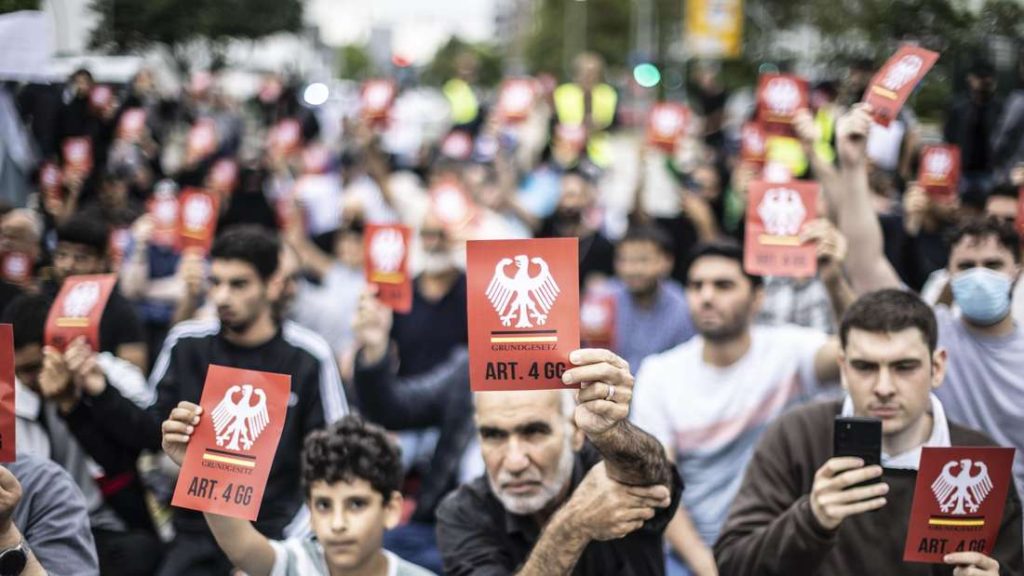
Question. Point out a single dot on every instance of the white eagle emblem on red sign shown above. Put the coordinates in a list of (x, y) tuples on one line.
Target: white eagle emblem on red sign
[(239, 424), (81, 299), (524, 298), (782, 211), (962, 493)]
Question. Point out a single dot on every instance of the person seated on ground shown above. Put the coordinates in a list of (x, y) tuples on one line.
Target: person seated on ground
[(351, 473), (569, 486), (43, 514), (47, 382), (799, 509), (83, 248)]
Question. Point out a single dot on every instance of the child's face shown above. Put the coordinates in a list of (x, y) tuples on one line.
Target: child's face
[(349, 520)]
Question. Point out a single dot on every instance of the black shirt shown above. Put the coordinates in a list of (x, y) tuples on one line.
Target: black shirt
[(180, 374), (477, 536), (597, 253), (428, 334)]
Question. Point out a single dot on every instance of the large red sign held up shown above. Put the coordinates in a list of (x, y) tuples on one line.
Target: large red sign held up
[(197, 219), (78, 309), (776, 213), (666, 125), (753, 144), (958, 501), (892, 85), (939, 172), (597, 319), (386, 254), (78, 156), (779, 97), (515, 101), (523, 312), (228, 459), (7, 416)]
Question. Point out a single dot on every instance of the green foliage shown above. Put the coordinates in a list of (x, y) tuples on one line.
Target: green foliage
[(16, 5), (442, 67), (354, 62), (132, 24)]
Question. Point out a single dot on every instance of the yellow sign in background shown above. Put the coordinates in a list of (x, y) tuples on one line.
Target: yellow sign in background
[(714, 28)]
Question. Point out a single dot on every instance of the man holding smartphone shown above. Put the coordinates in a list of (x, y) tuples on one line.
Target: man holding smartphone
[(802, 510)]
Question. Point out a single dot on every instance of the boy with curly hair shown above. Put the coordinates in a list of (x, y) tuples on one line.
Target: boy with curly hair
[(351, 474)]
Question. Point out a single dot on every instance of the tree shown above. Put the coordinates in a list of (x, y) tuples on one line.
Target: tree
[(177, 24), (16, 5), (442, 67), (354, 62)]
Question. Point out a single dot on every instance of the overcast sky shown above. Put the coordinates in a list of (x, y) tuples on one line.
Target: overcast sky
[(419, 26)]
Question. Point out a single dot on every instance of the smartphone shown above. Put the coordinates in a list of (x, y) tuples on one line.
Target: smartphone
[(860, 438)]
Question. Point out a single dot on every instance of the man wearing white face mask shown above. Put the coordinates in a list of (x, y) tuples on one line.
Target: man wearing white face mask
[(985, 379)]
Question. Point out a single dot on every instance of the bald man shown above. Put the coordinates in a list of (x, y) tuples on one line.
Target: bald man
[(570, 485)]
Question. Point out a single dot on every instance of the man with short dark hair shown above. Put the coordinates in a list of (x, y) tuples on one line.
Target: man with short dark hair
[(244, 287), (83, 248), (984, 265), (709, 399), (571, 220), (800, 510), (647, 301)]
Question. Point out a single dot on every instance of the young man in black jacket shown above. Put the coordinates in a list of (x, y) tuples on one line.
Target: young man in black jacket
[(244, 285)]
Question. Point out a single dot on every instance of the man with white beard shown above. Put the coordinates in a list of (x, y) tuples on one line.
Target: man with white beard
[(436, 324), (570, 486)]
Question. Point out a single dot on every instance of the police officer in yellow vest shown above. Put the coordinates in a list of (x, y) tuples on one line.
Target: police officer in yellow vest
[(461, 95), (589, 102)]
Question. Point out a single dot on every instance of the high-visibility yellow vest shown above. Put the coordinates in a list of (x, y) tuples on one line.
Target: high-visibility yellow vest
[(826, 123), (788, 152), (570, 108), (462, 100)]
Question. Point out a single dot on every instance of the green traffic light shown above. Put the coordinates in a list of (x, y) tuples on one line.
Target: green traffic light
[(647, 75)]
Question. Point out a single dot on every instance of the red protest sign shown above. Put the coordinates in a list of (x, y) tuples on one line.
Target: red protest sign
[(776, 212), (163, 209), (78, 309), (597, 319), (16, 267), (117, 244), (457, 145), (228, 458), (285, 137), (202, 140), (958, 501), (451, 204), (939, 172), (101, 97), (197, 219), (1020, 211), (377, 97), (316, 159), (666, 124), (50, 180), (779, 97), (223, 177), (892, 85), (78, 155), (8, 443), (523, 312), (132, 124), (386, 253), (515, 101), (752, 143)]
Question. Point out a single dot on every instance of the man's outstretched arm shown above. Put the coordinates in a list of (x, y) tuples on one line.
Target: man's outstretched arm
[(867, 265), (633, 456)]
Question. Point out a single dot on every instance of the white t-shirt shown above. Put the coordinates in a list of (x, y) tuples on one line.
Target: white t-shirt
[(305, 557), (711, 418)]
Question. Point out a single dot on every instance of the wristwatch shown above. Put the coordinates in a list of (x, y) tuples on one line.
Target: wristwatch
[(13, 560)]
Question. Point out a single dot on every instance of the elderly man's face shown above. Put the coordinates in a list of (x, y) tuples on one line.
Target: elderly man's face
[(528, 442), (18, 234)]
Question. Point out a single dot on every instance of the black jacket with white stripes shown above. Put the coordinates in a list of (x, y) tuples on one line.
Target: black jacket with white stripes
[(317, 398)]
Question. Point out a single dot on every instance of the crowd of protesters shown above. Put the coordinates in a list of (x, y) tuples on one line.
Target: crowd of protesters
[(714, 379)]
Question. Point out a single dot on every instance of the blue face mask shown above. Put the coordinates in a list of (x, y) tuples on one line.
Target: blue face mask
[(983, 295)]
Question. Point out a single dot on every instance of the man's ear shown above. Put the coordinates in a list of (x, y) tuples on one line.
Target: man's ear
[(939, 358), (275, 285), (841, 360), (393, 510)]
